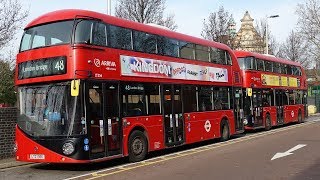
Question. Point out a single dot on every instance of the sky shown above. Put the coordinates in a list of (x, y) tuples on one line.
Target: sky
[(189, 14)]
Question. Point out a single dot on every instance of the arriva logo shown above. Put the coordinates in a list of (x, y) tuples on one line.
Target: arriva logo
[(97, 62)]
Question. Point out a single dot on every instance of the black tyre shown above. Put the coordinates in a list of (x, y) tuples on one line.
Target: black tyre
[(138, 146), (224, 130), (300, 120), (268, 125)]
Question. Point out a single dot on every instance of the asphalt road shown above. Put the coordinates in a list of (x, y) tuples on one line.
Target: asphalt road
[(245, 157)]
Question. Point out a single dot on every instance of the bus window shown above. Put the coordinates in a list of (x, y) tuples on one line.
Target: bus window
[(144, 42), (289, 69), (99, 34), (189, 99), (246, 63), (298, 97), (83, 31), (228, 57), (291, 97), (168, 47), (38, 41), (186, 50), (44, 34), (205, 99), (221, 99), (276, 68), (260, 65), (268, 66), (119, 37), (284, 69), (218, 56), (133, 101), (202, 53), (153, 99)]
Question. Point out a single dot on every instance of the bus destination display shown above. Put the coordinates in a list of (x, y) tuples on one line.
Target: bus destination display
[(42, 67)]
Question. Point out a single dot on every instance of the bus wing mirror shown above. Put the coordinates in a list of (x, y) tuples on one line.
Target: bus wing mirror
[(75, 87)]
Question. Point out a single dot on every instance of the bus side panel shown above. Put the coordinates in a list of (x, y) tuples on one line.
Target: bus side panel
[(272, 110), (154, 131), (202, 126), (291, 113)]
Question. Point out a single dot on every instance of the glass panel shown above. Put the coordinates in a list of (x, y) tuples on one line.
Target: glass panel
[(268, 66), (83, 31), (218, 56), (202, 53), (154, 102), (190, 99), (120, 37), (49, 111), (144, 42), (205, 99), (260, 65), (39, 36), (168, 47), (133, 100), (186, 50), (99, 35), (246, 63), (276, 68)]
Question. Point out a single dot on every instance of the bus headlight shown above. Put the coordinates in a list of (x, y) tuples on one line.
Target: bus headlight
[(68, 148)]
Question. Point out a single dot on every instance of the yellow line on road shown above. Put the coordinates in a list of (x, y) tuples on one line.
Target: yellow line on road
[(197, 150)]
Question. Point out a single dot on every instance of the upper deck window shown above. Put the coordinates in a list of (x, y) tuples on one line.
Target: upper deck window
[(268, 66), (47, 35), (260, 65), (246, 63)]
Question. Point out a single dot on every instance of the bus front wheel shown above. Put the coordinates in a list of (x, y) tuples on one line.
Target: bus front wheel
[(138, 146)]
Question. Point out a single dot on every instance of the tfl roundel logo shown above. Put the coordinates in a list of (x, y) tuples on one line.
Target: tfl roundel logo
[(97, 62)]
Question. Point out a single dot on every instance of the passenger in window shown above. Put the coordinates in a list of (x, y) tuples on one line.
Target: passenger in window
[(217, 104)]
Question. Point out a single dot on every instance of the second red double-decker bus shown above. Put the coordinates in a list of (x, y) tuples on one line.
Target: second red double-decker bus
[(94, 87), (275, 90)]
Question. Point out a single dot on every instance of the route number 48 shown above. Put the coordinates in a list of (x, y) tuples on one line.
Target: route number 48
[(59, 65)]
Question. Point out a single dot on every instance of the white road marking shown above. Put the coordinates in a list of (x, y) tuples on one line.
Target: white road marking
[(287, 153)]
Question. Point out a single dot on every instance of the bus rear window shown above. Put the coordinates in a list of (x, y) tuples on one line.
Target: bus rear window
[(47, 35)]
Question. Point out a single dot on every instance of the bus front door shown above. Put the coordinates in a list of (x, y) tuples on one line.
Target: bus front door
[(113, 125), (279, 105), (104, 124), (173, 116)]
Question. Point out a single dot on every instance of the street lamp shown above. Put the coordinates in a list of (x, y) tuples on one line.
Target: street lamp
[(109, 7), (273, 16)]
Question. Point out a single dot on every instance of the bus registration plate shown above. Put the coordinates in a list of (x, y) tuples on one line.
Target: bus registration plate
[(37, 156)]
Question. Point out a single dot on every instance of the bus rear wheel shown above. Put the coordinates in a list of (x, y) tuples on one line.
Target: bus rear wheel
[(267, 126), (138, 146), (300, 120), (224, 130)]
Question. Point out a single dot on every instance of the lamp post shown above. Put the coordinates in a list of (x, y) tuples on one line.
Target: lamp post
[(267, 47), (109, 7)]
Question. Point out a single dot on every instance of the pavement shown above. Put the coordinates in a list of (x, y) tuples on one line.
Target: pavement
[(11, 162)]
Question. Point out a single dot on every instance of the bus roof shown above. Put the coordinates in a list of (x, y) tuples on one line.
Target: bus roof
[(265, 57), (70, 14)]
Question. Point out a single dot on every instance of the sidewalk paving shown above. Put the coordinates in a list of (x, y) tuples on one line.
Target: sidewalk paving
[(11, 162)]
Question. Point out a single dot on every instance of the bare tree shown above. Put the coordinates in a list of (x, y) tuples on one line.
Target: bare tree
[(309, 26), (12, 17), (294, 49), (145, 11), (215, 28)]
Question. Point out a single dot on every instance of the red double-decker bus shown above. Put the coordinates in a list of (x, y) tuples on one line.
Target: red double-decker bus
[(275, 90), (94, 87)]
